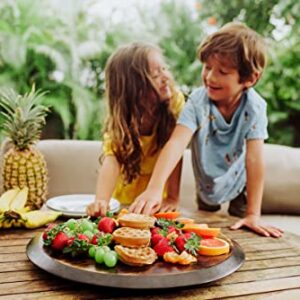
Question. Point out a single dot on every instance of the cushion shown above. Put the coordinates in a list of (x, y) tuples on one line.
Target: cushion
[(72, 165), (282, 180), (281, 186)]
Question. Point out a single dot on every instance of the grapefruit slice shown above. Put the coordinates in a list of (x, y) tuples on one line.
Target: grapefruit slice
[(213, 246), (170, 215)]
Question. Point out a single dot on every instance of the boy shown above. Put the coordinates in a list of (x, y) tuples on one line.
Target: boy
[(227, 123)]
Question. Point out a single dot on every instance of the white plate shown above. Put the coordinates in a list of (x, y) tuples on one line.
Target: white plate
[(75, 205)]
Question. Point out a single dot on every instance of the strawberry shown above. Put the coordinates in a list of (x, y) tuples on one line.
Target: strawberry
[(172, 229), (155, 238), (70, 241), (60, 241), (49, 227), (94, 240), (107, 225), (155, 230), (83, 237), (189, 242), (162, 247), (181, 241), (77, 245)]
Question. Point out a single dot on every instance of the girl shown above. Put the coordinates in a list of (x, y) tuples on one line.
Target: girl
[(143, 107)]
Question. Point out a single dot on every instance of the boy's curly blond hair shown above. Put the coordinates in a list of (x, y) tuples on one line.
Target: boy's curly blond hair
[(241, 46)]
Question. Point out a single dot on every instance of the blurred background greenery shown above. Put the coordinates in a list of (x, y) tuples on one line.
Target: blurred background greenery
[(62, 47)]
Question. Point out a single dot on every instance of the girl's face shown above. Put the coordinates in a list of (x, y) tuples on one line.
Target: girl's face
[(222, 80), (160, 75)]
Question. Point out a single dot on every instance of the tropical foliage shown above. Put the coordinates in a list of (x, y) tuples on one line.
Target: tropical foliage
[(62, 48)]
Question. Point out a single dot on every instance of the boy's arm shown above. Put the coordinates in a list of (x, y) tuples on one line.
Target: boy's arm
[(255, 182), (105, 186), (171, 201), (150, 200), (255, 176)]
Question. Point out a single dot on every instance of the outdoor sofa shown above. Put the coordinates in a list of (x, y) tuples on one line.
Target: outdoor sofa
[(73, 167)]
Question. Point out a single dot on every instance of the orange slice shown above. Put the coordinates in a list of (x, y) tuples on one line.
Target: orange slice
[(183, 259), (170, 215), (186, 220), (171, 257), (202, 230), (214, 246), (122, 212)]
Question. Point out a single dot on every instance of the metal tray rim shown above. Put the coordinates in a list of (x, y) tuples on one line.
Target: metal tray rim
[(41, 259)]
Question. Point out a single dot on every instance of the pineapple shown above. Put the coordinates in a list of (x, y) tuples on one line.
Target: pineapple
[(23, 164)]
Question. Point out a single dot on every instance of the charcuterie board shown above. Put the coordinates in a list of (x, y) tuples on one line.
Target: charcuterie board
[(159, 275)]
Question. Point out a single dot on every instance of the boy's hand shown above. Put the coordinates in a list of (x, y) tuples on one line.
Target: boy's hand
[(97, 208), (169, 204), (148, 203), (254, 223)]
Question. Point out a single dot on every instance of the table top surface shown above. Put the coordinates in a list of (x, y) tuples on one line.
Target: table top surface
[(271, 270)]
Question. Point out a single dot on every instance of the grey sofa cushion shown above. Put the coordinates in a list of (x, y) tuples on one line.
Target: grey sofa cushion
[(282, 180)]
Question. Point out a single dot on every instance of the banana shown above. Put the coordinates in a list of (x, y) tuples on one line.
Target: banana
[(13, 212), (37, 218), (19, 223), (2, 218), (18, 203), (7, 223), (7, 198)]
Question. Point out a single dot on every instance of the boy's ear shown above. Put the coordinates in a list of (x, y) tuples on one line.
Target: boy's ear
[(251, 81)]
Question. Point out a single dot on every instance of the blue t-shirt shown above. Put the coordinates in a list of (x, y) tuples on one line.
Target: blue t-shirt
[(218, 148)]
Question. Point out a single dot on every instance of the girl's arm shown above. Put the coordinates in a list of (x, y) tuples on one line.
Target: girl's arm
[(255, 182), (150, 200), (106, 182), (170, 203)]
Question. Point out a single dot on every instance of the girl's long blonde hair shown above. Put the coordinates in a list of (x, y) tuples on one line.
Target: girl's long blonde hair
[(129, 91)]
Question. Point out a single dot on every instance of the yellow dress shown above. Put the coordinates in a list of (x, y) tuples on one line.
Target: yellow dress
[(126, 193)]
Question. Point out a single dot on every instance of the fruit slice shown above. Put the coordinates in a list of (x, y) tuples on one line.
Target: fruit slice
[(38, 218), (170, 215), (122, 212), (6, 199), (213, 246), (186, 220), (20, 200), (183, 258), (202, 230)]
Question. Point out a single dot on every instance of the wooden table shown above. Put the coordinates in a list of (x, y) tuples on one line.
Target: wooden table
[(271, 270)]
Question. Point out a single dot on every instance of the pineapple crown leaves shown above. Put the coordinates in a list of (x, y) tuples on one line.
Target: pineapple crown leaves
[(23, 115)]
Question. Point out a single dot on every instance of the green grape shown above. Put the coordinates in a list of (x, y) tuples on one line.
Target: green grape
[(86, 225), (71, 224), (89, 234), (92, 251), (114, 253), (110, 259), (95, 231), (106, 248), (99, 255)]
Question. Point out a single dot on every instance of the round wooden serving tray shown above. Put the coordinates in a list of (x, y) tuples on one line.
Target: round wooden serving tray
[(158, 275)]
